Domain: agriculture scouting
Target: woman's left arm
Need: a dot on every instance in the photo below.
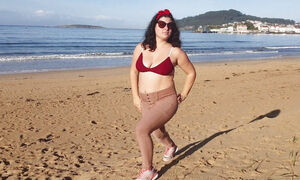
(185, 64)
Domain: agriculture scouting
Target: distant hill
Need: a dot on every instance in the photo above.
(79, 26)
(223, 17)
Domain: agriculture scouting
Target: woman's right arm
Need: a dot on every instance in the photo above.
(134, 77)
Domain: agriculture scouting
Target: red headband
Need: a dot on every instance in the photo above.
(160, 13)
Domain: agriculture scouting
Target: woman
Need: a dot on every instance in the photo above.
(153, 89)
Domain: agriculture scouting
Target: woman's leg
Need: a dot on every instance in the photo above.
(144, 129)
(145, 143)
(154, 118)
(163, 136)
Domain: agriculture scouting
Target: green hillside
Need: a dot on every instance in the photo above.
(223, 17)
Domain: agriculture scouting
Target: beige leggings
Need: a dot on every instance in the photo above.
(160, 105)
(157, 109)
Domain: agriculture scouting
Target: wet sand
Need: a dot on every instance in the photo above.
(240, 121)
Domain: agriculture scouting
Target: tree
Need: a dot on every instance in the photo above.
(250, 26)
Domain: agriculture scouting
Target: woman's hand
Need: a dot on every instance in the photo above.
(137, 103)
(180, 98)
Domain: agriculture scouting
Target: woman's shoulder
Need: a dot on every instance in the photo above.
(141, 46)
(177, 51)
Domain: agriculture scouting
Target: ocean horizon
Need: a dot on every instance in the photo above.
(50, 48)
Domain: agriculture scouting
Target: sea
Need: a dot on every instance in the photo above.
(42, 48)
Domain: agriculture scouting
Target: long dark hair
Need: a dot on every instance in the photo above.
(150, 40)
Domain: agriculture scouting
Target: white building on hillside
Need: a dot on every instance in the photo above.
(287, 29)
(241, 28)
(230, 29)
(263, 28)
(274, 28)
(297, 28)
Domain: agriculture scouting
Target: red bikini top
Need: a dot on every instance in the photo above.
(164, 68)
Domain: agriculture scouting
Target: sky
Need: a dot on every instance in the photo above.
(132, 13)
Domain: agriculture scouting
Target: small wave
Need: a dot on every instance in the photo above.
(101, 55)
(284, 47)
(66, 56)
(232, 53)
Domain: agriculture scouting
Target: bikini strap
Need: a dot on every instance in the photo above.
(170, 51)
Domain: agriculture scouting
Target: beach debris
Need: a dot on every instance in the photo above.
(93, 93)
(25, 169)
(47, 139)
(67, 178)
(93, 122)
(227, 78)
(29, 100)
(127, 89)
(57, 155)
(45, 165)
(31, 128)
(207, 80)
(80, 159)
(26, 144)
(6, 162)
(210, 161)
(23, 145)
(44, 150)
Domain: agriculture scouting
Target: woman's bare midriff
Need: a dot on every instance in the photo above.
(151, 82)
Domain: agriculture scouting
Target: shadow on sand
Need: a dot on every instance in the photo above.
(195, 146)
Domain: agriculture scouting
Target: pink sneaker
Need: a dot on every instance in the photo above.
(148, 174)
(170, 153)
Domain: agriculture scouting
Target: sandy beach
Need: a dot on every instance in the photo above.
(240, 121)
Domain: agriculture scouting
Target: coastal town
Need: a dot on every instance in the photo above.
(250, 26)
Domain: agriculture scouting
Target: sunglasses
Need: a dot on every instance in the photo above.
(163, 24)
